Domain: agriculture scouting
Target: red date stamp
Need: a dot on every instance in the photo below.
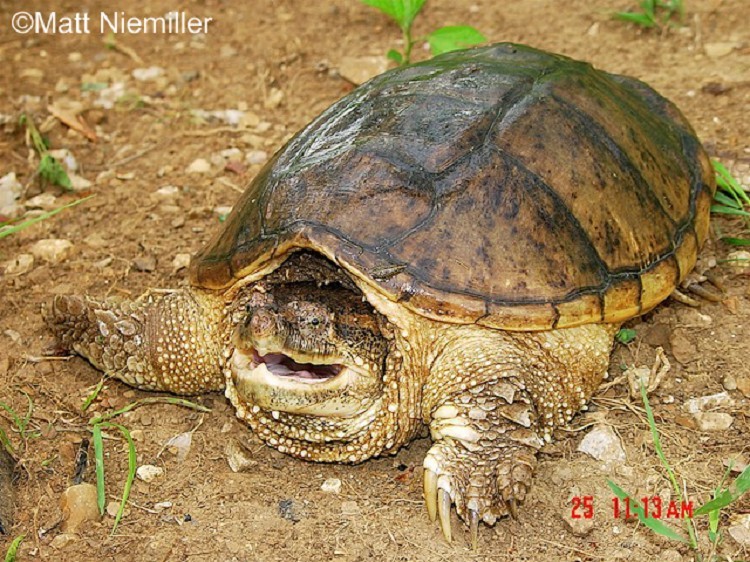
(652, 507)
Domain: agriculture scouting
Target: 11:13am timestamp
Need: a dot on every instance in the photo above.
(653, 508)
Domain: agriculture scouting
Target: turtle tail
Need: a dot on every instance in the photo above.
(173, 343)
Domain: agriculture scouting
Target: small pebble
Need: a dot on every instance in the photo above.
(62, 540)
(149, 472)
(729, 382)
(21, 264)
(167, 192)
(180, 261)
(256, 157)
(238, 456)
(78, 504)
(52, 250)
(112, 508)
(331, 486)
(145, 74)
(739, 529)
(602, 443)
(199, 166)
(44, 201)
(709, 402)
(350, 508)
(670, 555)
(743, 385)
(713, 421)
(144, 263)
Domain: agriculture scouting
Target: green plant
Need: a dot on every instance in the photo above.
(722, 497)
(730, 199)
(442, 40)
(102, 422)
(654, 13)
(10, 556)
(7, 228)
(49, 168)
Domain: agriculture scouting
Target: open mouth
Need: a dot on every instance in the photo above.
(284, 366)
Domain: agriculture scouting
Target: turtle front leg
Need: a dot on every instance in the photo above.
(172, 344)
(492, 405)
(483, 457)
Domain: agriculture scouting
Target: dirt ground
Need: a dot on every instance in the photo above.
(277, 61)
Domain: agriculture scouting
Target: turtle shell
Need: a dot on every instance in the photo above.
(503, 186)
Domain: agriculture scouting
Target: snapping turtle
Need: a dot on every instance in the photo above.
(454, 243)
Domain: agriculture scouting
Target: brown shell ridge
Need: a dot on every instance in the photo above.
(618, 153)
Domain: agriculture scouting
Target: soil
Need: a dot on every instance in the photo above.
(277, 61)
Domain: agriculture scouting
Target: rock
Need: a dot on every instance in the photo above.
(719, 49)
(682, 348)
(78, 504)
(713, 421)
(161, 506)
(739, 258)
(693, 318)
(180, 445)
(710, 402)
(112, 508)
(146, 74)
(223, 210)
(602, 443)
(238, 456)
(273, 99)
(739, 529)
(670, 555)
(148, 472)
(256, 157)
(350, 508)
(180, 261)
(359, 70)
(145, 263)
(743, 385)
(331, 486)
(21, 264)
(79, 183)
(167, 192)
(10, 190)
(44, 201)
(578, 527)
(199, 166)
(52, 250)
(62, 540)
(288, 510)
(729, 382)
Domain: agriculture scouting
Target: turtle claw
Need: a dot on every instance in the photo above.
(430, 493)
(513, 508)
(444, 512)
(474, 527)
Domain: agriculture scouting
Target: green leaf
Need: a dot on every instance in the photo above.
(52, 171)
(403, 11)
(735, 490)
(10, 556)
(395, 56)
(637, 18)
(453, 37)
(654, 524)
(132, 467)
(625, 335)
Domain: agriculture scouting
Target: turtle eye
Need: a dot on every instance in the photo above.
(315, 321)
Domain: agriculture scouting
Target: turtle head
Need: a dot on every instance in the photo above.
(312, 365)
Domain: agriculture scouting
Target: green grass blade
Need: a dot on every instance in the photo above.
(654, 524)
(15, 228)
(736, 242)
(726, 182)
(14, 416)
(636, 18)
(101, 497)
(150, 400)
(5, 442)
(657, 441)
(724, 199)
(92, 396)
(725, 210)
(132, 465)
(454, 37)
(732, 493)
(10, 556)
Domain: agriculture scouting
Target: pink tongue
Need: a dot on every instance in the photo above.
(283, 366)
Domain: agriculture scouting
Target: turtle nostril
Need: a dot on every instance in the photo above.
(262, 323)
